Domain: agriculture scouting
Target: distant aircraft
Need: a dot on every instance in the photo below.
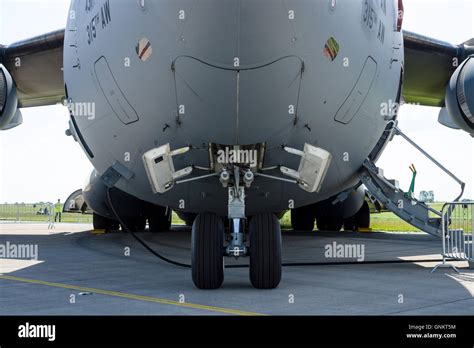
(238, 111)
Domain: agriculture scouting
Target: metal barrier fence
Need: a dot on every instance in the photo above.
(458, 225)
(37, 213)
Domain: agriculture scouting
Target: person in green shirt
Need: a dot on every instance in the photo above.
(58, 209)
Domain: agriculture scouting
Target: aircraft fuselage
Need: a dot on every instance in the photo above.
(141, 74)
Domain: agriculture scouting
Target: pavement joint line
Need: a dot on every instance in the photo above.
(132, 296)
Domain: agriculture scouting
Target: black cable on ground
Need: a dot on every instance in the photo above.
(305, 264)
(139, 240)
(293, 264)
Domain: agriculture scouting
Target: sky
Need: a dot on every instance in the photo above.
(451, 21)
(38, 162)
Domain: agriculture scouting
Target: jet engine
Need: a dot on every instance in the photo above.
(10, 115)
(460, 97)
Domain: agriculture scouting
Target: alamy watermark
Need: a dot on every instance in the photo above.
(390, 109)
(37, 331)
(19, 251)
(84, 109)
(237, 156)
(345, 251)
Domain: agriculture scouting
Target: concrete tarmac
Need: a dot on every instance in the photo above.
(79, 273)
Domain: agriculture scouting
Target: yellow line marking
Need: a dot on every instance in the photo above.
(131, 296)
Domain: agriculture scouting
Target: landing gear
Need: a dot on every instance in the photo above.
(207, 251)
(136, 224)
(360, 220)
(350, 224)
(160, 220)
(103, 223)
(265, 251)
(329, 223)
(140, 223)
(208, 248)
(302, 219)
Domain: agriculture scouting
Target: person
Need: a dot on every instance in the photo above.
(58, 208)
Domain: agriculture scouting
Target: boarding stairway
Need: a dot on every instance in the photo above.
(400, 203)
(403, 204)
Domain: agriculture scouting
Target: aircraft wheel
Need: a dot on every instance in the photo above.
(114, 225)
(329, 223)
(207, 251)
(302, 219)
(265, 251)
(137, 224)
(160, 221)
(363, 216)
(360, 220)
(140, 223)
(350, 224)
(335, 224)
(102, 223)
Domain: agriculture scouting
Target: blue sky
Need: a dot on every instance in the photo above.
(39, 163)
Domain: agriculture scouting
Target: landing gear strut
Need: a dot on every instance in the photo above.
(208, 249)
(264, 243)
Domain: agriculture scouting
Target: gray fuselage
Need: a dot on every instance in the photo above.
(233, 72)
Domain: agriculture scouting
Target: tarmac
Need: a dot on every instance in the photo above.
(81, 273)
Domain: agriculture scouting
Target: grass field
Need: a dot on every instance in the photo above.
(30, 213)
(385, 221)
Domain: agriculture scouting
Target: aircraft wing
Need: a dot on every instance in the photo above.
(429, 65)
(36, 66)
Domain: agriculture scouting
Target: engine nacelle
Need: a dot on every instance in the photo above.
(460, 96)
(10, 115)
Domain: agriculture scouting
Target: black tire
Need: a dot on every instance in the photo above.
(350, 224)
(363, 216)
(334, 224)
(360, 220)
(114, 225)
(265, 251)
(140, 224)
(102, 223)
(329, 223)
(207, 251)
(160, 221)
(137, 224)
(302, 219)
